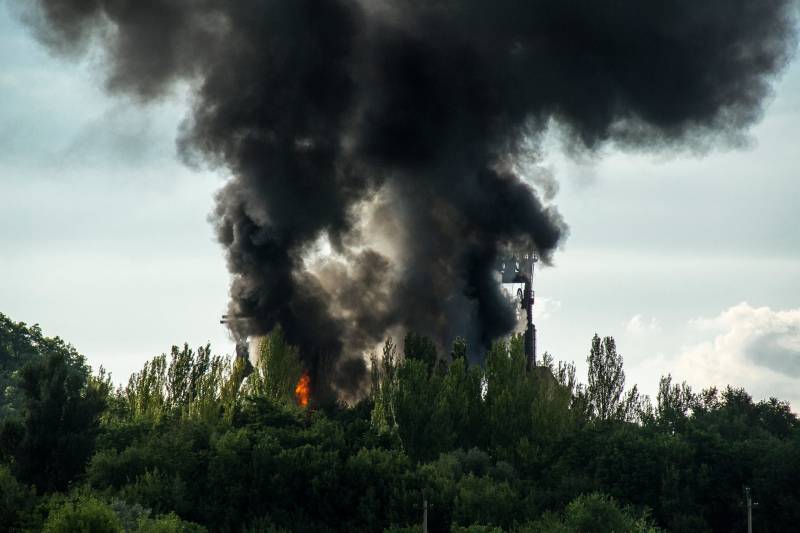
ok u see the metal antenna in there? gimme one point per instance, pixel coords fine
(516, 274)
(530, 332)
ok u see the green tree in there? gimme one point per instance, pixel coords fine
(189, 384)
(607, 381)
(560, 403)
(277, 369)
(384, 388)
(460, 406)
(60, 418)
(19, 344)
(145, 395)
(674, 403)
(509, 396)
(420, 348)
(415, 408)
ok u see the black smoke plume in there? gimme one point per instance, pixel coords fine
(374, 145)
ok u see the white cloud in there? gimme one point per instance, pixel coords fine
(544, 308)
(638, 325)
(754, 348)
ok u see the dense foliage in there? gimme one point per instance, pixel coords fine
(198, 442)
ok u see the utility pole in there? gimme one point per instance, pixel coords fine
(425, 515)
(750, 504)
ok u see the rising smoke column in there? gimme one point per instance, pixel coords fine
(373, 146)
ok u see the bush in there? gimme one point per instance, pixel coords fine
(15, 498)
(84, 515)
(476, 529)
(168, 524)
(589, 513)
(481, 500)
(129, 514)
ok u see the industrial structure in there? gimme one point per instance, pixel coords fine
(516, 277)
(242, 345)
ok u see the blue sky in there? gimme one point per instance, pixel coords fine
(692, 262)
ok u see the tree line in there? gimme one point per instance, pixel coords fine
(195, 441)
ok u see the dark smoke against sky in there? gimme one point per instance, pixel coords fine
(374, 146)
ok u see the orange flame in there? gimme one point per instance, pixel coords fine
(303, 389)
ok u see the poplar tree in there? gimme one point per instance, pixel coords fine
(606, 378)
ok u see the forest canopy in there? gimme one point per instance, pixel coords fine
(196, 441)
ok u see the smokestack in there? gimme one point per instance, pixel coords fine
(375, 149)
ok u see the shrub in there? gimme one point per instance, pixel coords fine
(84, 515)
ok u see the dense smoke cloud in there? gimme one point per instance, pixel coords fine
(373, 145)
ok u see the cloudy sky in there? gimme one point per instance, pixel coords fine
(691, 261)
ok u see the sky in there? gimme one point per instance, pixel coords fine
(691, 261)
